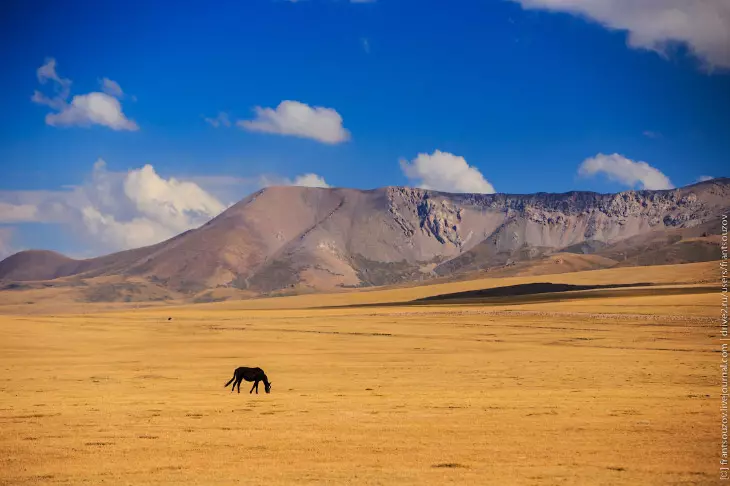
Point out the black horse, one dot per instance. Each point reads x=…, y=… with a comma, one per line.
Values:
x=249, y=374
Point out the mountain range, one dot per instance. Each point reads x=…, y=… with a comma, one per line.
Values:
x=289, y=239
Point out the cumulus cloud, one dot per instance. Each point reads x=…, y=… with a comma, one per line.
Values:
x=141, y=208
x=703, y=26
x=303, y=180
x=177, y=204
x=310, y=180
x=112, y=211
x=117, y=210
x=626, y=171
x=121, y=235
x=220, y=120
x=442, y=171
x=300, y=120
x=93, y=108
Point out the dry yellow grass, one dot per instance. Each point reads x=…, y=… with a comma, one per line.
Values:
x=690, y=273
x=60, y=300
x=595, y=390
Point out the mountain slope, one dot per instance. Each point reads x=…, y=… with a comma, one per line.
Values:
x=284, y=239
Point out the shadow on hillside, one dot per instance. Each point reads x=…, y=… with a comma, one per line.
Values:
x=523, y=289
x=541, y=292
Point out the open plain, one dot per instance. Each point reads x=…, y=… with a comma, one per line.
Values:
x=612, y=386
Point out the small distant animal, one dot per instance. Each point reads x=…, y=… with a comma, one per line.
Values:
x=249, y=374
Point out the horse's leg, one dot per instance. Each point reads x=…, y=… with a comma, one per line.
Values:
x=253, y=386
x=239, y=385
x=234, y=384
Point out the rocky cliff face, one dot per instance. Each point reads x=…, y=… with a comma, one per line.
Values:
x=517, y=227
x=284, y=238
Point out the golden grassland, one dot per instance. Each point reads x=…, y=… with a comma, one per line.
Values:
x=65, y=299
x=599, y=387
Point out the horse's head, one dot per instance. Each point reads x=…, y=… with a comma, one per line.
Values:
x=267, y=387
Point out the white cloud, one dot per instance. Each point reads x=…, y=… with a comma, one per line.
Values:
x=93, y=108
x=121, y=235
x=704, y=178
x=310, y=180
x=112, y=211
x=442, y=171
x=220, y=120
x=176, y=204
x=117, y=210
x=141, y=208
x=365, y=45
x=303, y=180
x=626, y=171
x=652, y=134
x=299, y=120
x=702, y=25
x=111, y=88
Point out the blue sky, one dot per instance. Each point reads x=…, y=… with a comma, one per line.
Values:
x=509, y=96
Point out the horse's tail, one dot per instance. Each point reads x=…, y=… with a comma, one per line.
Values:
x=230, y=381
